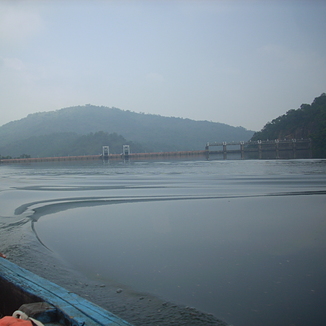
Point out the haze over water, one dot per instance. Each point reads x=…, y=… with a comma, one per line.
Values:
x=243, y=240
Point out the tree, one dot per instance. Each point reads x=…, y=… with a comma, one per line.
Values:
x=309, y=121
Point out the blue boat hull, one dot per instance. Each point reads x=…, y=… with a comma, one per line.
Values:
x=20, y=287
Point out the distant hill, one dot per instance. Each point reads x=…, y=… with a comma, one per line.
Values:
x=145, y=132
x=67, y=144
x=309, y=121
x=51, y=133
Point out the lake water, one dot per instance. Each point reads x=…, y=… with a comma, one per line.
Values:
x=243, y=240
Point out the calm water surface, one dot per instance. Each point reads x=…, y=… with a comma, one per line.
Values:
x=244, y=240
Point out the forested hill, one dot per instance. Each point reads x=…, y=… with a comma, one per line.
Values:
x=309, y=121
x=150, y=132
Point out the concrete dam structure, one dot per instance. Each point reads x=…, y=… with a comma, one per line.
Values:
x=268, y=149
x=276, y=149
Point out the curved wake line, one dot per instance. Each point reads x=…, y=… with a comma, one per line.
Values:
x=38, y=238
x=59, y=205
x=71, y=203
x=62, y=204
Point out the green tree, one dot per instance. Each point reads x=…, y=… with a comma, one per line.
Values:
x=309, y=121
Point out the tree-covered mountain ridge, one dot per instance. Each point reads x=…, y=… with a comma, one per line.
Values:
x=147, y=132
x=309, y=121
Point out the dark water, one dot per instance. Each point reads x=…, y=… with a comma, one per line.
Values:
x=243, y=240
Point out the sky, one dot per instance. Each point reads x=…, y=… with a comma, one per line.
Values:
x=243, y=63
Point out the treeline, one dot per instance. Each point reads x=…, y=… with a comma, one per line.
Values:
x=69, y=144
x=309, y=121
x=10, y=157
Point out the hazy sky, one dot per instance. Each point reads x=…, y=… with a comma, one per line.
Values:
x=242, y=63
